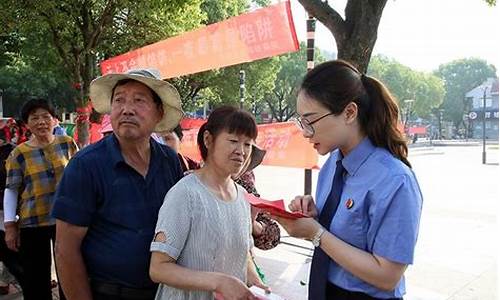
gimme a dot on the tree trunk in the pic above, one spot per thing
(86, 70)
(82, 123)
(357, 33)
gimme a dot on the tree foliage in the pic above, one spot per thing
(460, 77)
(292, 67)
(223, 86)
(24, 75)
(81, 32)
(425, 89)
(21, 82)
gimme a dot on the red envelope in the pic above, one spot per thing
(274, 207)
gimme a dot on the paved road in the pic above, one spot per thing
(456, 252)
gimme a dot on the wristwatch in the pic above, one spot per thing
(317, 237)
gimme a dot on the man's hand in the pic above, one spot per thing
(12, 238)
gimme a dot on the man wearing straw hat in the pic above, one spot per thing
(110, 194)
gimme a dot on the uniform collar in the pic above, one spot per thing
(357, 156)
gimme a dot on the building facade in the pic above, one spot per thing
(483, 103)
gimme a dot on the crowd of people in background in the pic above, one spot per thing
(14, 131)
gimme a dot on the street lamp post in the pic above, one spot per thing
(484, 125)
(408, 103)
(1, 103)
(242, 87)
(440, 133)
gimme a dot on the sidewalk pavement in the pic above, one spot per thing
(286, 267)
(469, 142)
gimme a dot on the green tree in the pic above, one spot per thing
(259, 80)
(20, 82)
(292, 67)
(23, 75)
(425, 89)
(461, 76)
(83, 32)
(221, 86)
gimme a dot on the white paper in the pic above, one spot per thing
(261, 293)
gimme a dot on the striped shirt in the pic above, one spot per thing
(203, 233)
(34, 172)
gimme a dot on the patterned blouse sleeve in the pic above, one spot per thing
(270, 236)
(14, 171)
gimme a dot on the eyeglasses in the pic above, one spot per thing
(37, 118)
(306, 126)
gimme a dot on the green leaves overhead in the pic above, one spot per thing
(427, 90)
(282, 99)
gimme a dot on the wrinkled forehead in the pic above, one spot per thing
(138, 88)
(132, 86)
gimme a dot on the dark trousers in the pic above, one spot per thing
(334, 292)
(11, 260)
(109, 291)
(36, 260)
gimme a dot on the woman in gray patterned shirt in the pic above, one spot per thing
(203, 237)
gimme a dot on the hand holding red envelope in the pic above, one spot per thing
(274, 207)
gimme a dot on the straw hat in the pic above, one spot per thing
(101, 90)
(255, 158)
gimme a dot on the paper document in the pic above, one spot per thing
(262, 295)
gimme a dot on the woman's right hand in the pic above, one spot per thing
(304, 204)
(12, 236)
(231, 288)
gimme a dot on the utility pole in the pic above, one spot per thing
(440, 125)
(311, 28)
(1, 103)
(408, 103)
(242, 87)
(484, 125)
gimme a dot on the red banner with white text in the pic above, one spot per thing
(259, 34)
(284, 143)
